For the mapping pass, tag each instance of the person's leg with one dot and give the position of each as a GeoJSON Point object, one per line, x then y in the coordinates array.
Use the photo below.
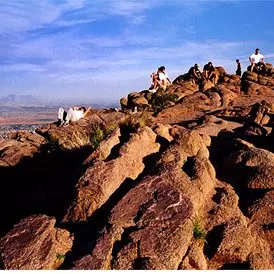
{"type": "Point", "coordinates": [252, 66]}
{"type": "Point", "coordinates": [213, 78]}
{"type": "Point", "coordinates": [60, 114]}
{"type": "Point", "coordinates": [69, 115]}
{"type": "Point", "coordinates": [154, 80]}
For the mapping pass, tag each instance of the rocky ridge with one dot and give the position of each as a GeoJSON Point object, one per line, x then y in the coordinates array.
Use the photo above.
{"type": "Point", "coordinates": [187, 182]}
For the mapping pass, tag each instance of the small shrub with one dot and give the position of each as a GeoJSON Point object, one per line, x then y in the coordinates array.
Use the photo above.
{"type": "Point", "coordinates": [97, 136]}
{"type": "Point", "coordinates": [133, 122]}
{"type": "Point", "coordinates": [109, 128]}
{"type": "Point", "coordinates": [161, 101]}
{"type": "Point", "coordinates": [199, 232]}
{"type": "Point", "coordinates": [60, 256]}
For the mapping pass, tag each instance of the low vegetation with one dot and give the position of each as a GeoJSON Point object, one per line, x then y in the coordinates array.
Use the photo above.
{"type": "Point", "coordinates": [161, 101]}
{"type": "Point", "coordinates": [135, 121]}
{"type": "Point", "coordinates": [60, 256]}
{"type": "Point", "coordinates": [199, 232]}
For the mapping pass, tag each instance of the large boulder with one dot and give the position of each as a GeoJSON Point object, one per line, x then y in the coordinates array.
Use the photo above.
{"type": "Point", "coordinates": [236, 244]}
{"type": "Point", "coordinates": [35, 244]}
{"type": "Point", "coordinates": [24, 145]}
{"type": "Point", "coordinates": [253, 164]}
{"type": "Point", "coordinates": [156, 229]}
{"type": "Point", "coordinates": [101, 180]}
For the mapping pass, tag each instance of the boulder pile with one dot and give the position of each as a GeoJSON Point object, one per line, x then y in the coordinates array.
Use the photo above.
{"type": "Point", "coordinates": [178, 179]}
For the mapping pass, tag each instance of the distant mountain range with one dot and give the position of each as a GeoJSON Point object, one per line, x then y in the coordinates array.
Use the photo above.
{"type": "Point", "coordinates": [13, 99]}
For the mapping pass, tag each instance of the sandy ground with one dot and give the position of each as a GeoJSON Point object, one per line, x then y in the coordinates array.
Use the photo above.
{"type": "Point", "coordinates": [30, 118]}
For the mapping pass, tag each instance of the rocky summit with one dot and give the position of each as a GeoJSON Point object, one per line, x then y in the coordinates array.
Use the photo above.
{"type": "Point", "coordinates": [176, 179]}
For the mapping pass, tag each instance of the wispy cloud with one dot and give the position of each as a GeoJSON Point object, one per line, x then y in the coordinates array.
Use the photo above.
{"type": "Point", "coordinates": [106, 46]}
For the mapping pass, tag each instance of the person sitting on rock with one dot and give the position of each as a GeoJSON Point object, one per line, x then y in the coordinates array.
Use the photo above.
{"type": "Point", "coordinates": [257, 61]}
{"type": "Point", "coordinates": [159, 79]}
{"type": "Point", "coordinates": [239, 68]}
{"type": "Point", "coordinates": [155, 82]}
{"type": "Point", "coordinates": [163, 78]}
{"type": "Point", "coordinates": [195, 73]}
{"type": "Point", "coordinates": [210, 73]}
{"type": "Point", "coordinates": [74, 114]}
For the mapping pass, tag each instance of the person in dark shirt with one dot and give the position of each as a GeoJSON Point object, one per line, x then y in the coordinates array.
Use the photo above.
{"type": "Point", "coordinates": [239, 68]}
{"type": "Point", "coordinates": [210, 73]}
{"type": "Point", "coordinates": [195, 73]}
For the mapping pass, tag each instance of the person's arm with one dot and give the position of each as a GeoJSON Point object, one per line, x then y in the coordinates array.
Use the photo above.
{"type": "Point", "coordinates": [251, 59]}
{"type": "Point", "coordinates": [87, 111]}
{"type": "Point", "coordinates": [262, 59]}
{"type": "Point", "coordinates": [195, 74]}
{"type": "Point", "coordinates": [205, 73]}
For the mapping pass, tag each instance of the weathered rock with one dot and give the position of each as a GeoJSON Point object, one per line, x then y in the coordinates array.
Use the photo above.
{"type": "Point", "coordinates": [34, 244]}
{"type": "Point", "coordinates": [163, 131]}
{"type": "Point", "coordinates": [236, 244]}
{"type": "Point", "coordinates": [123, 103]}
{"type": "Point", "coordinates": [102, 179]}
{"type": "Point", "coordinates": [139, 101]}
{"type": "Point", "coordinates": [206, 85]}
{"type": "Point", "coordinates": [195, 259]}
{"type": "Point", "coordinates": [104, 148]}
{"type": "Point", "coordinates": [23, 146]}
{"type": "Point", "coordinates": [221, 70]}
{"type": "Point", "coordinates": [78, 135]}
{"type": "Point", "coordinates": [256, 165]}
{"type": "Point", "coordinates": [156, 229]}
{"type": "Point", "coordinates": [262, 219]}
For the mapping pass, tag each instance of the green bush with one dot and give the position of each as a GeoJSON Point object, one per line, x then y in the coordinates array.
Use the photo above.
{"type": "Point", "coordinates": [60, 256]}
{"type": "Point", "coordinates": [135, 121]}
{"type": "Point", "coordinates": [199, 232]}
{"type": "Point", "coordinates": [97, 136]}
{"type": "Point", "coordinates": [163, 100]}
{"type": "Point", "coordinates": [100, 132]}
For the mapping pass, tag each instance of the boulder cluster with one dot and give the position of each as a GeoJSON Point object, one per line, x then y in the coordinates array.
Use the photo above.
{"type": "Point", "coordinates": [186, 182]}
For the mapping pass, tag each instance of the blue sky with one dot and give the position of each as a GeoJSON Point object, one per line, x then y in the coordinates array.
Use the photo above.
{"type": "Point", "coordinates": [100, 50]}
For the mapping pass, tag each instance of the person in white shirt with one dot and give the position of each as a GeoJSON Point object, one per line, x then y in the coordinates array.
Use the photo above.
{"type": "Point", "coordinates": [74, 114]}
{"type": "Point", "coordinates": [159, 79]}
{"type": "Point", "coordinates": [163, 78]}
{"type": "Point", "coordinates": [257, 60]}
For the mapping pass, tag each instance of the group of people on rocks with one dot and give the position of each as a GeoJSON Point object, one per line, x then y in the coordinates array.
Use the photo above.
{"type": "Point", "coordinates": [160, 78]}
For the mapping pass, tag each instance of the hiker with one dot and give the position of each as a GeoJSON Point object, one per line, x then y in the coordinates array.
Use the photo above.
{"type": "Point", "coordinates": [239, 68]}
{"type": "Point", "coordinates": [154, 82]}
{"type": "Point", "coordinates": [74, 114]}
{"type": "Point", "coordinates": [163, 78]}
{"type": "Point", "coordinates": [209, 73]}
{"type": "Point", "coordinates": [159, 79]}
{"type": "Point", "coordinates": [257, 61]}
{"type": "Point", "coordinates": [195, 73]}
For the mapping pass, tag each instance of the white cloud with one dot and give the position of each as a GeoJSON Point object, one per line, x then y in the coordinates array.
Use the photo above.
{"type": "Point", "coordinates": [26, 15]}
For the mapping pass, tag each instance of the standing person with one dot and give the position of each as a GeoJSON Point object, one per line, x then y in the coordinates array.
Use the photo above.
{"type": "Point", "coordinates": [210, 73]}
{"type": "Point", "coordinates": [257, 60]}
{"type": "Point", "coordinates": [239, 68]}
